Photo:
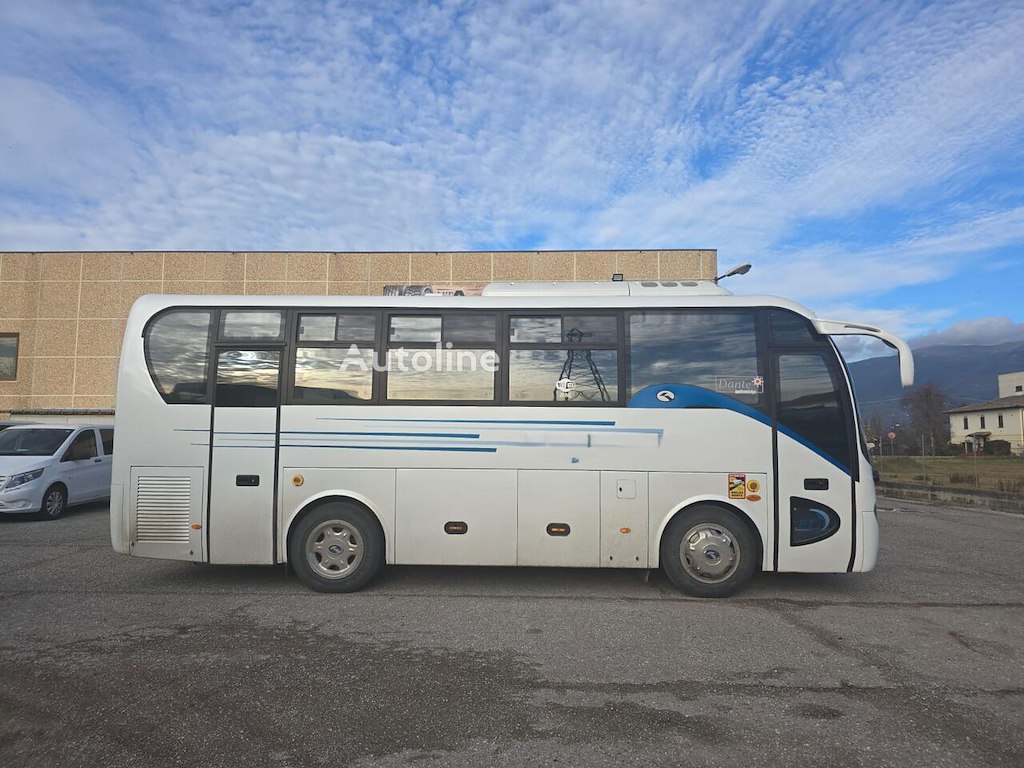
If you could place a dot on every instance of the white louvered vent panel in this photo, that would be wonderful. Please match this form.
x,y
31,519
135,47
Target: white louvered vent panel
x,y
162,507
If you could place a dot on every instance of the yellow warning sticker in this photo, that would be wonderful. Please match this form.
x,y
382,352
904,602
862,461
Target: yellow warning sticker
x,y
737,486
753,486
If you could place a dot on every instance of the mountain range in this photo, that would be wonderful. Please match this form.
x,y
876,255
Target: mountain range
x,y
966,373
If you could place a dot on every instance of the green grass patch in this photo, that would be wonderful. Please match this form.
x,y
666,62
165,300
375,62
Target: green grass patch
x,y
990,473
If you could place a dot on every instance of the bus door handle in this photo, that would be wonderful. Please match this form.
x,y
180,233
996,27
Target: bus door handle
x,y
247,480
815,483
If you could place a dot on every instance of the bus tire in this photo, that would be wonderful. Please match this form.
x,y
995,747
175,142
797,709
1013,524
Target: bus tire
x,y
54,503
708,551
336,547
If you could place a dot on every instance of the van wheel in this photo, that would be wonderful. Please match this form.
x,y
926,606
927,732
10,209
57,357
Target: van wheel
x,y
337,547
55,501
708,552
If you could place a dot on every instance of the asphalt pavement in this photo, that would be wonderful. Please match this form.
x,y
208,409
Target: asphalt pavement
x,y
107,660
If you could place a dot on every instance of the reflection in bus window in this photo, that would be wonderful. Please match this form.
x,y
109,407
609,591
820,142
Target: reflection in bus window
x,y
357,328
247,378
470,328
445,374
563,375
252,325
177,350
789,328
317,327
535,330
709,349
407,328
568,329
809,404
326,375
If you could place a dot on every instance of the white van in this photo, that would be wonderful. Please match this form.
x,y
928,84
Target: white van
x,y
46,468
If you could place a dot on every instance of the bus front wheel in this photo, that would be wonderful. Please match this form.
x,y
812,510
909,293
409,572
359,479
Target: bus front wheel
x,y
337,547
708,551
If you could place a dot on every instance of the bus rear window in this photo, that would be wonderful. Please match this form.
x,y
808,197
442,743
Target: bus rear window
x,y
177,352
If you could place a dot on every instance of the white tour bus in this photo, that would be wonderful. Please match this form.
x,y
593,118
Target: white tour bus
x,y
618,424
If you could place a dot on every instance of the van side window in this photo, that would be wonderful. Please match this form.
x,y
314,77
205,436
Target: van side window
x,y
82,447
107,436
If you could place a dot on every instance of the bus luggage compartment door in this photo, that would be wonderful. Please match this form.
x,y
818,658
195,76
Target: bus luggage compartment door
x,y
624,520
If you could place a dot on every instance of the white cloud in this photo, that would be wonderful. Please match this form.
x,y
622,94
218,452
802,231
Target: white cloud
x,y
845,149
982,330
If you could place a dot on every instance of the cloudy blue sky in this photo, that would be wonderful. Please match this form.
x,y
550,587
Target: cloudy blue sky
x,y
867,157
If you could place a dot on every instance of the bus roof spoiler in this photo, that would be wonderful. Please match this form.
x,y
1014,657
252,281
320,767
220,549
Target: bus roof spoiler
x,y
839,328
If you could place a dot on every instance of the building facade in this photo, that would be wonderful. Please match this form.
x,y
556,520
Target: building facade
x,y
977,424
62,315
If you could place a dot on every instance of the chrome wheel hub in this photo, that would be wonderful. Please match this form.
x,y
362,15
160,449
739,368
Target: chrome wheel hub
x,y
708,552
334,549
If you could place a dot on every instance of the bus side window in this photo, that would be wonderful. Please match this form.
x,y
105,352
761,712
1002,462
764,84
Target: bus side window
x,y
810,405
247,378
790,328
571,359
334,359
711,349
442,358
177,353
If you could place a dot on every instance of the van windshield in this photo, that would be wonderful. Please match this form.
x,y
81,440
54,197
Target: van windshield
x,y
32,442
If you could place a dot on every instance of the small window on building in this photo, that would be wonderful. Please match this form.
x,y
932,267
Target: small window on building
x,y
965,423
8,356
1000,419
1019,388
982,422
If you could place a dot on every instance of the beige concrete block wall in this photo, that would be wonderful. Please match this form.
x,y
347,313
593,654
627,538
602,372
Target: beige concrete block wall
x,y
69,309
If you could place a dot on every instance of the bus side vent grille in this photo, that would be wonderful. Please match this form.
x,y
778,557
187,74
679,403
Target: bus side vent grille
x,y
162,507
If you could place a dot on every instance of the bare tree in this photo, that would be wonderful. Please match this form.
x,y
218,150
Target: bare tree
x,y
926,405
873,429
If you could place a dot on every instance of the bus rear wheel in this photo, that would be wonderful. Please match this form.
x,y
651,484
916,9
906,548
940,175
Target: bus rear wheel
x,y
336,547
708,551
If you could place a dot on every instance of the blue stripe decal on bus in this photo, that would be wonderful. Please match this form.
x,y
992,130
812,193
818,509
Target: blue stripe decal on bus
x,y
366,447
459,435
688,396
478,421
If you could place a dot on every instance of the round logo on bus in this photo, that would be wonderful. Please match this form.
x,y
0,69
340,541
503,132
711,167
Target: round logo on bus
x,y
666,396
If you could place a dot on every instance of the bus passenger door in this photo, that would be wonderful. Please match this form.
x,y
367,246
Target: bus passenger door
x,y
815,454
243,470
